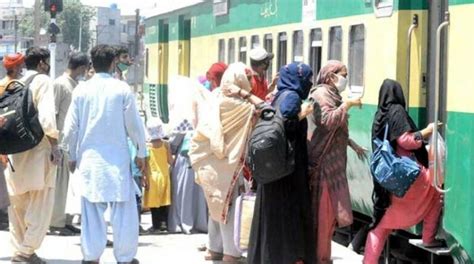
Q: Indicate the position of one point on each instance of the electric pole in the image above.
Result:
(37, 22)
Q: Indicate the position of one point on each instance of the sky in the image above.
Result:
(127, 7)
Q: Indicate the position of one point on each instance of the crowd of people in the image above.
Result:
(190, 176)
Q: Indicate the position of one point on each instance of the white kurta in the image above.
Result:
(33, 168)
(102, 115)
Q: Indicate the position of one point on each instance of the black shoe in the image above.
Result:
(73, 229)
(163, 227)
(60, 231)
(109, 243)
(134, 261)
(89, 262)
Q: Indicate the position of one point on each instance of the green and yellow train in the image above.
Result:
(427, 45)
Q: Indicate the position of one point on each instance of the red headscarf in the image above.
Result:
(215, 72)
(332, 66)
(11, 61)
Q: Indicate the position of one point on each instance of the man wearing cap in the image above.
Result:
(260, 60)
(63, 86)
(13, 63)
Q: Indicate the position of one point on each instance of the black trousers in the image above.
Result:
(158, 216)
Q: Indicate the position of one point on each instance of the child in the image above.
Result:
(158, 194)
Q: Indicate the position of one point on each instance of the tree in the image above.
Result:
(69, 21)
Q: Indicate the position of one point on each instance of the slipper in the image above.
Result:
(435, 244)
(211, 255)
(232, 260)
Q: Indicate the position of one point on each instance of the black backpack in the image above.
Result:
(22, 131)
(271, 155)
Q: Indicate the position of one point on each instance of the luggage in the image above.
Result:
(245, 204)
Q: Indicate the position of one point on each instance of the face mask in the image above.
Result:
(23, 72)
(341, 83)
(207, 85)
(122, 66)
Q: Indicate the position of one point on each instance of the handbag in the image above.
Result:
(394, 173)
(245, 205)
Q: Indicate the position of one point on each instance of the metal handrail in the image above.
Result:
(410, 33)
(436, 105)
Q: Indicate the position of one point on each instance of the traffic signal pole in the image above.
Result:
(53, 6)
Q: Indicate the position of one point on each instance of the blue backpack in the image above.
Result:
(394, 173)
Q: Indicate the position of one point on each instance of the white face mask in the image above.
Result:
(23, 72)
(341, 83)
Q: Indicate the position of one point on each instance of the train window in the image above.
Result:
(298, 39)
(335, 43)
(315, 50)
(243, 49)
(356, 56)
(282, 49)
(221, 54)
(231, 51)
(268, 46)
(383, 8)
(255, 41)
(147, 62)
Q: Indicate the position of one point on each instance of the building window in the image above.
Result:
(243, 49)
(282, 49)
(298, 39)
(255, 41)
(231, 51)
(221, 55)
(268, 46)
(335, 43)
(112, 22)
(356, 56)
(315, 51)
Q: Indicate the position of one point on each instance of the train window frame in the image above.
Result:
(268, 38)
(282, 59)
(315, 43)
(230, 53)
(331, 42)
(253, 43)
(221, 50)
(243, 49)
(383, 8)
(147, 62)
(298, 44)
(358, 66)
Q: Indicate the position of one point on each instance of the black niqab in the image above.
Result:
(391, 110)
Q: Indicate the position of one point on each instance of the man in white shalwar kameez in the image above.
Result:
(31, 183)
(102, 115)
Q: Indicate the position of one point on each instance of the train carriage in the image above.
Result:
(377, 39)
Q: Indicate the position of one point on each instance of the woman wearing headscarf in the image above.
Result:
(281, 225)
(217, 154)
(421, 202)
(328, 139)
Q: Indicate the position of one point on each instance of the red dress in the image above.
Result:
(421, 197)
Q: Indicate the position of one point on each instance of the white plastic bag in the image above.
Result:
(441, 154)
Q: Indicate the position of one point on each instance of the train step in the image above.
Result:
(439, 251)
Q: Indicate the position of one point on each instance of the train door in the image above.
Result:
(436, 11)
(163, 56)
(315, 51)
(184, 46)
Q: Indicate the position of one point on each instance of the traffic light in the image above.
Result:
(53, 7)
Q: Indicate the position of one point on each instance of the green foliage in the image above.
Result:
(68, 21)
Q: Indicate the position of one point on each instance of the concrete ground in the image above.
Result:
(165, 248)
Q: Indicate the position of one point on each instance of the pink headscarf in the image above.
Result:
(332, 66)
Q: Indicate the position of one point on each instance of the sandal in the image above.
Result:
(435, 244)
(232, 260)
(211, 255)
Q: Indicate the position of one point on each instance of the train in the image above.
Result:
(426, 45)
